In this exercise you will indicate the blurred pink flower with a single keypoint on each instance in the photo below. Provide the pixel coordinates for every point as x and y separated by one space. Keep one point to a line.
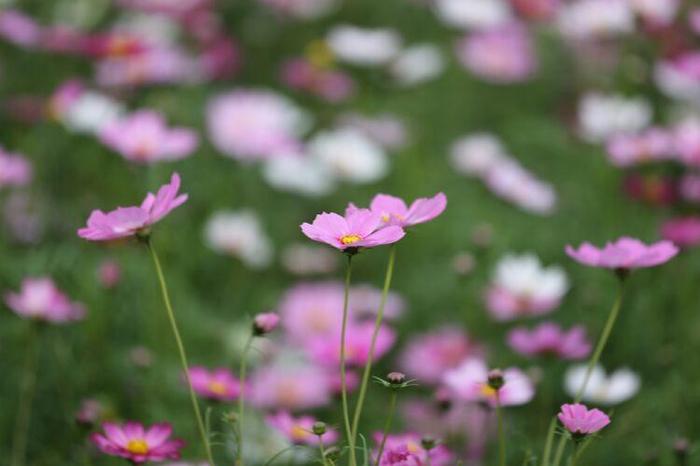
689 187
265 322
548 338
326 350
90 412
683 232
155 65
40 299
394 211
217 384
136 444
143 137
220 59
579 420
651 188
111 44
109 273
130 221
440 455
694 19
428 356
536 9
500 55
311 309
180 9
65 95
651 145
687 141
15 170
333 86
359 228
290 387
399 455
469 382
625 253
19 28
365 299
298 430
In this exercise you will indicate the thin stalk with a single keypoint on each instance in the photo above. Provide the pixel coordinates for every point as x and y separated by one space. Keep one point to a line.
28 387
548 443
574 455
501 435
373 343
241 398
343 379
387 425
322 450
593 361
181 351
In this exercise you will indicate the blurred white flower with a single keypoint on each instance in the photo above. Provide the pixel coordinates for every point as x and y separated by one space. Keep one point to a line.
299 173
362 46
678 77
418 64
588 19
90 112
240 234
473 14
303 259
601 116
659 12
350 155
477 153
386 129
154 29
524 275
603 389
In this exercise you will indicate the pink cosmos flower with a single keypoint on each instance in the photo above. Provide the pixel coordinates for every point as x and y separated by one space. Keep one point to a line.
326 350
19 28
359 228
399 455
625 254
143 137
469 382
155 65
683 232
428 356
15 170
394 211
265 322
136 444
298 429
653 144
40 299
689 187
89 412
311 309
64 96
218 384
333 86
440 455
129 221
579 420
109 273
548 338
290 387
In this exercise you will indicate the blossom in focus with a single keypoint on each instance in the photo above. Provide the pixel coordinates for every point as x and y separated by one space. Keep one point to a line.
549 338
15 169
601 116
522 286
217 384
362 46
626 253
129 221
683 232
579 420
239 234
298 430
143 137
605 389
137 444
469 382
394 211
361 228
41 300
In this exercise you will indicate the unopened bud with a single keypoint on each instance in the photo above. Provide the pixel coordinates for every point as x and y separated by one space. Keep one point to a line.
396 378
265 323
428 443
496 380
319 428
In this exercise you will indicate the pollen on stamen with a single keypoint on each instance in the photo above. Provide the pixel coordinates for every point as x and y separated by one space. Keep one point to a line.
137 447
350 239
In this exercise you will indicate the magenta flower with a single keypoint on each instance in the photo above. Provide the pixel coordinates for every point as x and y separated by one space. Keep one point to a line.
394 211
298 430
549 339
579 420
359 228
469 382
136 444
440 455
129 221
39 299
400 455
326 350
288 386
218 384
624 254
265 322
143 137
684 232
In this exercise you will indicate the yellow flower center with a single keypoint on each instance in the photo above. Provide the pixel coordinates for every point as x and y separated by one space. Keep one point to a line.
320 54
217 388
487 391
350 239
137 447
298 433
412 447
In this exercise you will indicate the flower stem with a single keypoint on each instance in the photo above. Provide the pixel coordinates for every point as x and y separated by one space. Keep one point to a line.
181 351
241 399
387 425
343 381
574 455
24 413
322 450
501 435
373 343
593 361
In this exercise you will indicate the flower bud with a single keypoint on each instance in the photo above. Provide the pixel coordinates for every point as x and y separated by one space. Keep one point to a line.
396 378
496 380
428 443
319 428
265 323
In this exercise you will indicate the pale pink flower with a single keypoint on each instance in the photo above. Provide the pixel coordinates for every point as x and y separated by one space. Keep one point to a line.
217 384
19 28
326 350
89 412
683 232
311 309
689 187
265 322
328 84
548 338
109 273
40 299
15 170
130 221
394 211
469 382
137 444
155 65
694 19
652 144
63 98
143 137
399 455
359 228
440 455
428 356
626 253
579 420
687 141
679 76
298 430
291 387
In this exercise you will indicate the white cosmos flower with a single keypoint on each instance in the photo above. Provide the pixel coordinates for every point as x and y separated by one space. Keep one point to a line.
477 153
588 19
299 173
362 46
524 276
601 116
418 64
92 111
603 389
349 155
240 234
473 14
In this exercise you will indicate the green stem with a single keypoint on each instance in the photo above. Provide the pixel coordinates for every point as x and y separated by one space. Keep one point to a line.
181 351
387 426
548 443
373 343
28 387
241 399
600 346
343 381
322 450
574 455
501 435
